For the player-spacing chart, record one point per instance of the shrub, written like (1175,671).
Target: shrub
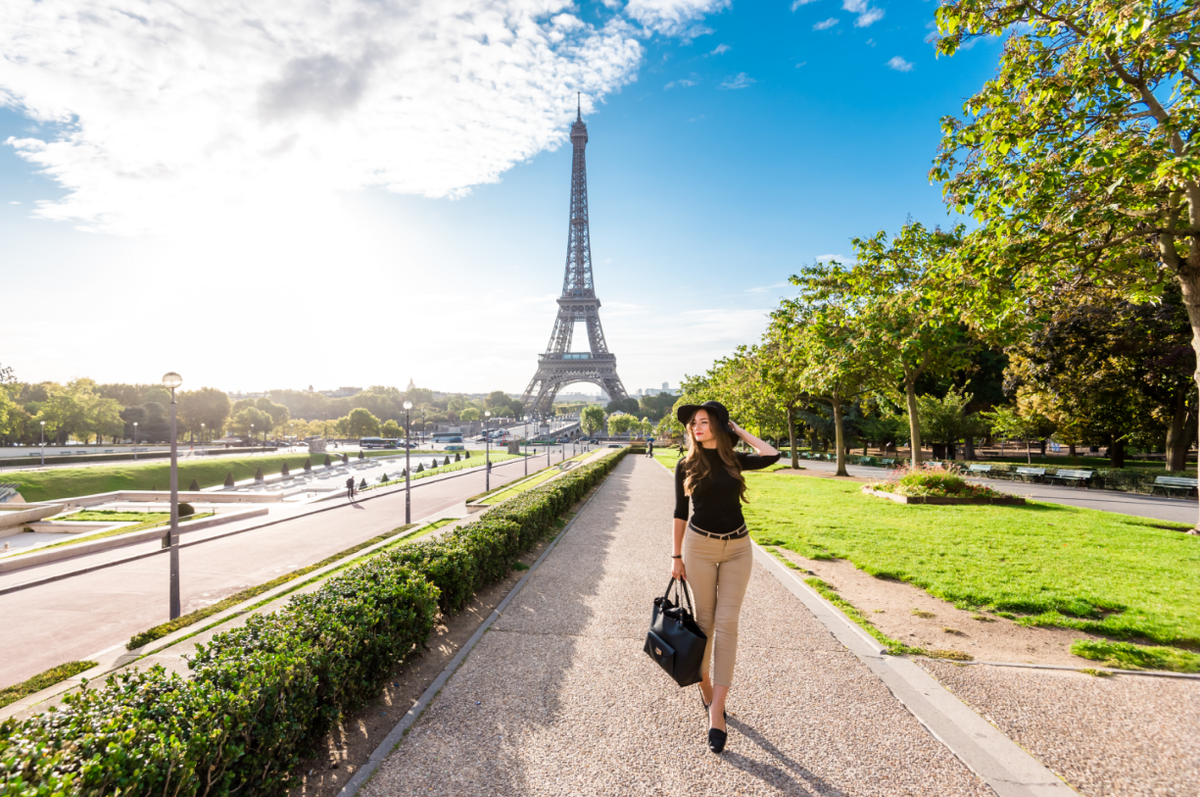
(363,484)
(286,471)
(383,478)
(258,475)
(194,486)
(467,454)
(328,461)
(258,699)
(186,510)
(308,465)
(933,481)
(447,462)
(457,457)
(361,456)
(420,468)
(229,479)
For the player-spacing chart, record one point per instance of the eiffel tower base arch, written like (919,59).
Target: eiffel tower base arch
(553,377)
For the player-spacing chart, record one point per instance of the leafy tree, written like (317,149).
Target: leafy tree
(1108,369)
(626,405)
(591,419)
(391,430)
(899,294)
(362,423)
(207,406)
(469,414)
(946,420)
(655,406)
(1079,158)
(620,424)
(669,427)
(251,422)
(279,413)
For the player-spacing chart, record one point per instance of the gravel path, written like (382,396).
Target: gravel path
(559,699)
(1123,735)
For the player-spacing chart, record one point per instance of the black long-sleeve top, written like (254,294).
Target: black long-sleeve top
(716,501)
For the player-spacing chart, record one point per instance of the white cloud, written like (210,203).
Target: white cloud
(720,48)
(673,17)
(899,64)
(739,81)
(155,116)
(826,24)
(843,259)
(866,15)
(797,3)
(682,83)
(802,63)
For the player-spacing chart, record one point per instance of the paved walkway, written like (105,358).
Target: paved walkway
(558,697)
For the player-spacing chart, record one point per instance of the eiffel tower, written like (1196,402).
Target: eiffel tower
(560,366)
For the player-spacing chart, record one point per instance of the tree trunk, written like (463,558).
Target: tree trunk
(839,432)
(969,447)
(1028,452)
(1071,450)
(914,422)
(1116,453)
(1180,433)
(1042,446)
(792,437)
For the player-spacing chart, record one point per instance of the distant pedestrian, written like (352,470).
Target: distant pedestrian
(650,448)
(350,488)
(711,550)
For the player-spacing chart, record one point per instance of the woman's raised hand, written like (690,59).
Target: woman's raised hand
(677,570)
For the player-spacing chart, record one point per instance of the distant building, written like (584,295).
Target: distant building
(342,392)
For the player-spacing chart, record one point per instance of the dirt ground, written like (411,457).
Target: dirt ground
(913,616)
(350,744)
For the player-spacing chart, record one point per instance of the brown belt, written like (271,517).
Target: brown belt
(736,534)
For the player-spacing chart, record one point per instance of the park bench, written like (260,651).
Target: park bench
(980,470)
(887,463)
(1168,483)
(1031,474)
(1076,477)
(866,460)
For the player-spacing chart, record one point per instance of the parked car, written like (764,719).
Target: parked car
(456,447)
(614,445)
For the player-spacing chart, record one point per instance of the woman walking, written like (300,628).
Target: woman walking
(711,550)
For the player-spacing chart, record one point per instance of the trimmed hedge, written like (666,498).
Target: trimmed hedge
(261,696)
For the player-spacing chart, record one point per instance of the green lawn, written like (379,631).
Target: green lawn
(49,485)
(533,481)
(477,461)
(1105,573)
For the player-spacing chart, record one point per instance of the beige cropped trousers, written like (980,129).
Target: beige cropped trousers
(718,572)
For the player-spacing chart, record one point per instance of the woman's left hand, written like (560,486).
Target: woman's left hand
(737,430)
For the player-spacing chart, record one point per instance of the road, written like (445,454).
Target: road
(79,616)
(1178,510)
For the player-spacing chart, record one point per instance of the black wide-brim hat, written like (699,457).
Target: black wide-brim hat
(715,410)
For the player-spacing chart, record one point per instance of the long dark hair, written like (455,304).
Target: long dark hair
(695,465)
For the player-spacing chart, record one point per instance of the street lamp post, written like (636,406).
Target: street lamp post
(135,440)
(487,453)
(202,434)
(173,380)
(526,436)
(43,443)
(407,464)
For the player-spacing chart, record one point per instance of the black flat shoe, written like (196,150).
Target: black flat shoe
(716,740)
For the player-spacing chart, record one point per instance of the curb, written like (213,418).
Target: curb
(47,555)
(393,739)
(133,558)
(1003,765)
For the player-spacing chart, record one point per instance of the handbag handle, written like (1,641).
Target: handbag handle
(687,593)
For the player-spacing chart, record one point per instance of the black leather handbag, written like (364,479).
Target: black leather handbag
(675,641)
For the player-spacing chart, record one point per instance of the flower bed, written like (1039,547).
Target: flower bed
(260,696)
(934,484)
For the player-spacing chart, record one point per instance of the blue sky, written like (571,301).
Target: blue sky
(329,215)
